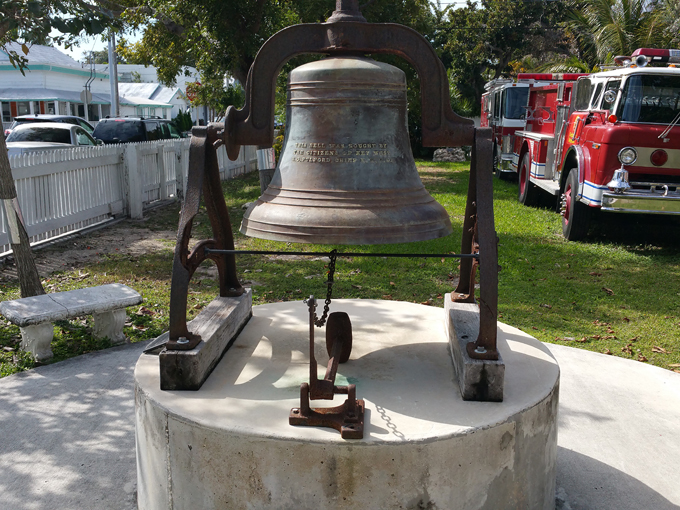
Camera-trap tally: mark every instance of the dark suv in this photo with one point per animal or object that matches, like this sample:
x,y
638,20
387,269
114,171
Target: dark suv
x,y
39,117
131,129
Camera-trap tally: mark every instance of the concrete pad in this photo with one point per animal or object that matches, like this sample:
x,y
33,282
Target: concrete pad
x,y
423,445
68,434
619,433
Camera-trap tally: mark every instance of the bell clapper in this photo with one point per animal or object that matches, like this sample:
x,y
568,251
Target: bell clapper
x,y
347,418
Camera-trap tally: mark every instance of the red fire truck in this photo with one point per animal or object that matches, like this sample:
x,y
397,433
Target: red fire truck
x,y
504,109
608,140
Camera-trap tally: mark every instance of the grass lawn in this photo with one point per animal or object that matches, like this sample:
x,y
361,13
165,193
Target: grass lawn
x,y
617,293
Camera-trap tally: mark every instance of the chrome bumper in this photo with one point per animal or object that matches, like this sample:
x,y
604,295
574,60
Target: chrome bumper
x,y
506,162
642,201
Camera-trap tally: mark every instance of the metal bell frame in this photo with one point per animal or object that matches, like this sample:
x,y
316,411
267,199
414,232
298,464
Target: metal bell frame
x,y
345,32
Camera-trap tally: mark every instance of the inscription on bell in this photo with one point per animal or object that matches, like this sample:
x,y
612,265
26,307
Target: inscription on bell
x,y
321,152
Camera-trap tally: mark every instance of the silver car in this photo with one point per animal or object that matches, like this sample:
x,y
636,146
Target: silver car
x,y
41,117
42,136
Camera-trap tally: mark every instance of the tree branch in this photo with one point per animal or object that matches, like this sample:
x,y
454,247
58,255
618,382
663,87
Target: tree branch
x,y
169,24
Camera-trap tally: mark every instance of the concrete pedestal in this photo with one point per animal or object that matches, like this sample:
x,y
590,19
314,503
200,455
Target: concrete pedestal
x,y
229,445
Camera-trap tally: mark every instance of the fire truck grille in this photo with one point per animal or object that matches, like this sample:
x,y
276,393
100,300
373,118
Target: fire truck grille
x,y
653,178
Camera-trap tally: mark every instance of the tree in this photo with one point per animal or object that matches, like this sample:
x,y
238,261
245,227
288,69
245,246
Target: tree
x,y
214,93
605,28
32,21
480,40
102,57
28,22
221,39
570,64
666,23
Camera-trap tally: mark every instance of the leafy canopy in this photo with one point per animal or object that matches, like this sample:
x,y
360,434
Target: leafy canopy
x,y
479,41
31,21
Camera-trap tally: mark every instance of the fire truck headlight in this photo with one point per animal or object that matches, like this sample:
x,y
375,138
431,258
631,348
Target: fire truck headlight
x,y
627,156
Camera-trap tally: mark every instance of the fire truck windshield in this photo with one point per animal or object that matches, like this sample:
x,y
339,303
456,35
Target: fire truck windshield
x,y
515,101
652,98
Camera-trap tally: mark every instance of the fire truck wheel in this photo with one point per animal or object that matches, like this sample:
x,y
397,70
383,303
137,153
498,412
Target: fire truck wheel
x,y
527,192
575,214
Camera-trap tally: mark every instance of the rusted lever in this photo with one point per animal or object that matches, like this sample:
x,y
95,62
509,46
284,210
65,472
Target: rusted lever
x,y
347,418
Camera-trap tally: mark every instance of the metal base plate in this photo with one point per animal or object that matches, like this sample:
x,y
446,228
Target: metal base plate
x,y
350,425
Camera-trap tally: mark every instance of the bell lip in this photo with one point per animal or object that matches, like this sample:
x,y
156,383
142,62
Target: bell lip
x,y
358,226
357,236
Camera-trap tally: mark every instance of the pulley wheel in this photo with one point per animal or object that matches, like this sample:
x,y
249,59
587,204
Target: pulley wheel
x,y
339,329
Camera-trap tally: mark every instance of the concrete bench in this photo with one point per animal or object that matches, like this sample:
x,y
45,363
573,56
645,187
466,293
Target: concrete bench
x,y
34,315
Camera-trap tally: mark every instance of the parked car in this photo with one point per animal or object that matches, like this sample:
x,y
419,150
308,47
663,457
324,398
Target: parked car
x,y
135,129
67,119
40,136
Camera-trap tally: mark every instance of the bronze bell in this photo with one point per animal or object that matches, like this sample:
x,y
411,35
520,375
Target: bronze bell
x,y
346,174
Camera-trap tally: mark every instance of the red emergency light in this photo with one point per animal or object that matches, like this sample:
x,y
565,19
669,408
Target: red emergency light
x,y
551,76
658,55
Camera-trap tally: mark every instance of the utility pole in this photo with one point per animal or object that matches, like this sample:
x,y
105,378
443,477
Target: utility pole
x,y
113,76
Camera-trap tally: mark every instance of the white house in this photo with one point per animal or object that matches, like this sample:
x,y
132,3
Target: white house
x,y
55,83
150,100
147,74
135,86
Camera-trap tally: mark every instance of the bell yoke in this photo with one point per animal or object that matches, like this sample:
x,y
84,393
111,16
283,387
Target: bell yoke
x,y
346,176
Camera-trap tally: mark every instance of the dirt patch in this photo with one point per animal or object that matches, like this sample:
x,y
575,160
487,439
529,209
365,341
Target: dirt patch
x,y
127,237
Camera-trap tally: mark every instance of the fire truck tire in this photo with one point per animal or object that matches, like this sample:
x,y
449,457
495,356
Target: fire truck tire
x,y
575,214
527,193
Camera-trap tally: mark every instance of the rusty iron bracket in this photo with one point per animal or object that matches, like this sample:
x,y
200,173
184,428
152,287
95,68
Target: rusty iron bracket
x,y
203,179
479,236
347,418
345,32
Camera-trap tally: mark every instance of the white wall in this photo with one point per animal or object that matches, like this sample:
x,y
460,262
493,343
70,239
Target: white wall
x,y
51,79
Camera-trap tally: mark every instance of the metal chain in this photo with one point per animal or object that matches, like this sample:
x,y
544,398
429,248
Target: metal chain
x,y
318,322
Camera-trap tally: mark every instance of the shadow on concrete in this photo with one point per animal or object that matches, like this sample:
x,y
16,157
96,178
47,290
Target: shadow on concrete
x,y
404,370
68,438
584,483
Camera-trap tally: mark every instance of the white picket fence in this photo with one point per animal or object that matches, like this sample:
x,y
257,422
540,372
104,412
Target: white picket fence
x,y
66,190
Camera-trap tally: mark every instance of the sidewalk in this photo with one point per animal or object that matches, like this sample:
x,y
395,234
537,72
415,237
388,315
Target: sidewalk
x,y
68,434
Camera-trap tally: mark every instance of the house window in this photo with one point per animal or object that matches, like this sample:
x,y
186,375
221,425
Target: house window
x,y
106,110
23,108
152,112
50,108
93,112
6,113
140,111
